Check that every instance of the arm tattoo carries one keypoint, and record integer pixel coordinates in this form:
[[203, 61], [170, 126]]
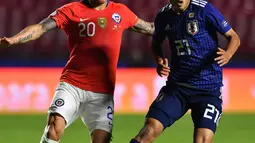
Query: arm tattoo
[[23, 38], [30, 36], [33, 32], [144, 27], [48, 24]]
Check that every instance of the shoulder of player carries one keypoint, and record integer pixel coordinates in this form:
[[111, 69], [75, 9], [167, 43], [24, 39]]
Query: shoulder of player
[[72, 5], [165, 9], [200, 4], [163, 12], [202, 7], [118, 5]]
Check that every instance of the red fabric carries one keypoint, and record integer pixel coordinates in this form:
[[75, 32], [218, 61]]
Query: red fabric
[[94, 39]]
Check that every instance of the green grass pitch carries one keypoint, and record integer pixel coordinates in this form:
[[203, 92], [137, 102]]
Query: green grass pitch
[[233, 128]]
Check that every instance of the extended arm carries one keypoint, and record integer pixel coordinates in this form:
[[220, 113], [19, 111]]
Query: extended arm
[[143, 27], [30, 33]]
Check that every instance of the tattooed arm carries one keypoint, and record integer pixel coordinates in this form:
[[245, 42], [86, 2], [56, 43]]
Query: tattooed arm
[[30, 33], [143, 27]]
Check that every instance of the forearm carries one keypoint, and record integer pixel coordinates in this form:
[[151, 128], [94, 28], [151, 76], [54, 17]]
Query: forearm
[[148, 29], [30, 33], [157, 51], [234, 43], [144, 27]]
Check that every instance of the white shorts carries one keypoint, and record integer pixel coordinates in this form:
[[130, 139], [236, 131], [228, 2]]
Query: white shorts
[[95, 109]]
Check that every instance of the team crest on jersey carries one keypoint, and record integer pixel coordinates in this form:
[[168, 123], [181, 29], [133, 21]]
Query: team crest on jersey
[[102, 22], [116, 17], [192, 27], [59, 102]]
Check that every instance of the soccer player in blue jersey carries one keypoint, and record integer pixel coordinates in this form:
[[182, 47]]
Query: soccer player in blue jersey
[[195, 79]]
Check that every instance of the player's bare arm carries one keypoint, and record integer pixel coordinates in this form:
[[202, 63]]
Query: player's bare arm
[[162, 63], [30, 33], [234, 43], [143, 27]]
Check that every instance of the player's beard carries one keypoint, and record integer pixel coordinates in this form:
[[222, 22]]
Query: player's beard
[[97, 2]]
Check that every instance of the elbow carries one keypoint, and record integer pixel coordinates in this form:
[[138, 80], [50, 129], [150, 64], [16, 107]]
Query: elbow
[[39, 31], [237, 39], [41, 28]]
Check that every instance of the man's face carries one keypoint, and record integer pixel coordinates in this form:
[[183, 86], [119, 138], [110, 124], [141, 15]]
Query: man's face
[[180, 5]]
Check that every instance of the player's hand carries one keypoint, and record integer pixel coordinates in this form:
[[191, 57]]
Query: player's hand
[[5, 42], [162, 67], [223, 57]]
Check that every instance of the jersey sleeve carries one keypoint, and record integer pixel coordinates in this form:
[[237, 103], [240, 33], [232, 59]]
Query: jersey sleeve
[[131, 18], [159, 33], [216, 19], [61, 16]]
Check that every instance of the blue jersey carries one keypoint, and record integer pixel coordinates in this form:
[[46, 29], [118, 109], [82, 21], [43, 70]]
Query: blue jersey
[[193, 40]]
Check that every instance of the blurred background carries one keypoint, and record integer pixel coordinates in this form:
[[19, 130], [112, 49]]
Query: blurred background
[[29, 75]]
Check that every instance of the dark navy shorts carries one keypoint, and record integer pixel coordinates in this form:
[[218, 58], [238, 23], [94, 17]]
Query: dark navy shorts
[[175, 100]]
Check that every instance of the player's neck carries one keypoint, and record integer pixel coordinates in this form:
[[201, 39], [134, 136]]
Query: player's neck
[[101, 7], [95, 5]]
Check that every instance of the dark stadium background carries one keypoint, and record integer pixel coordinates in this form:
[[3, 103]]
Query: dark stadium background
[[51, 51]]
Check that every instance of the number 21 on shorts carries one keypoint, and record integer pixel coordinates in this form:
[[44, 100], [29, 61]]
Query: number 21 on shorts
[[210, 113]]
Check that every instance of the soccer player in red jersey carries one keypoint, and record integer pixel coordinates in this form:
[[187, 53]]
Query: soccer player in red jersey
[[94, 29]]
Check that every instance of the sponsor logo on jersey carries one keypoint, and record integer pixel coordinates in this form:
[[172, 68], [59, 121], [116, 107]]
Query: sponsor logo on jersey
[[167, 28], [84, 19], [192, 27], [116, 17], [102, 22], [191, 15], [59, 102], [116, 27]]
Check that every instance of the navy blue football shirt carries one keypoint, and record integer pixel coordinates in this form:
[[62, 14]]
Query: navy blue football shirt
[[193, 40]]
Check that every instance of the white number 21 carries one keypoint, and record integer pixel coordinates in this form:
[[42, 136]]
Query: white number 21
[[211, 109], [182, 47]]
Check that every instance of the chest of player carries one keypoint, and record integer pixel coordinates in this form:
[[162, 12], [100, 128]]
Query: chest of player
[[98, 25], [188, 25], [188, 34]]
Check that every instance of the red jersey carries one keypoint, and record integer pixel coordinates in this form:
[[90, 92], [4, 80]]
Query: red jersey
[[94, 39]]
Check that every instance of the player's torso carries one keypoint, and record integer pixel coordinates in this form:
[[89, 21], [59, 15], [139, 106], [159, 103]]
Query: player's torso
[[95, 28], [194, 46], [189, 33], [94, 43]]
